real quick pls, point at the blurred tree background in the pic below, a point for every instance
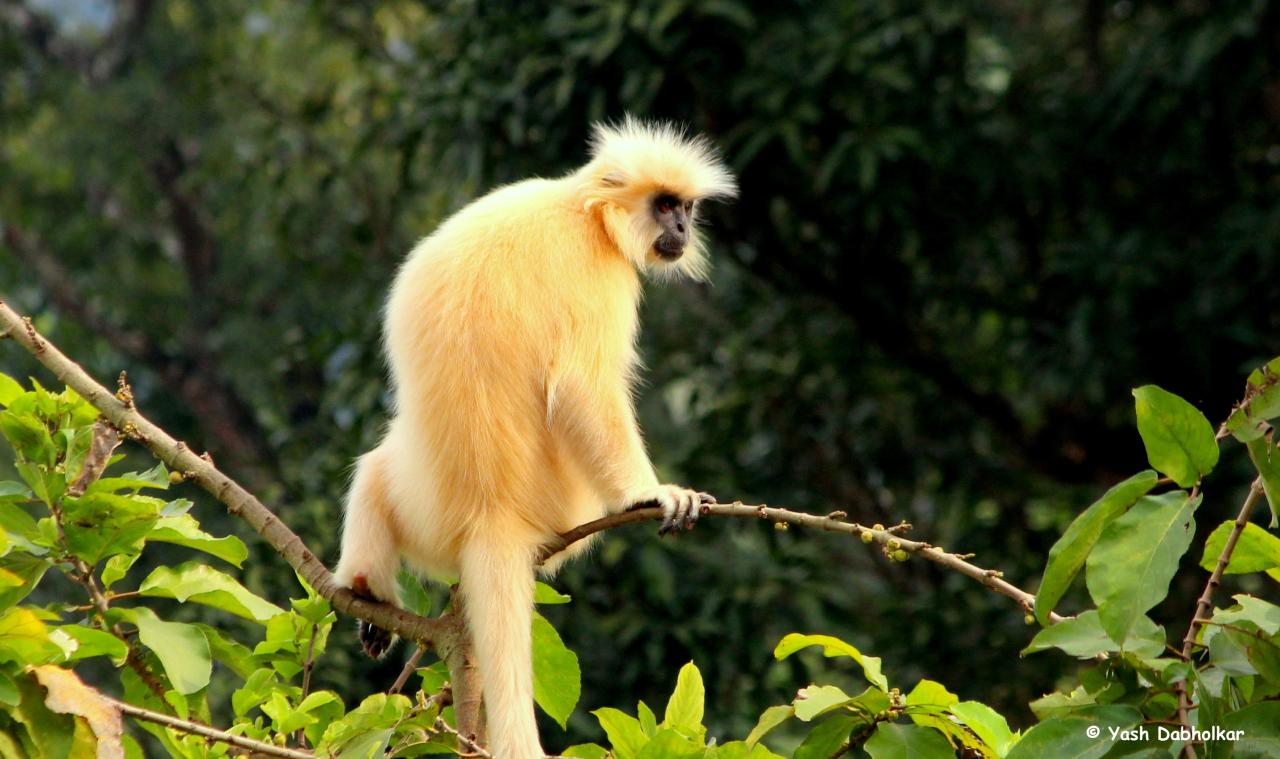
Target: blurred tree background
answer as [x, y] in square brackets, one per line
[966, 230]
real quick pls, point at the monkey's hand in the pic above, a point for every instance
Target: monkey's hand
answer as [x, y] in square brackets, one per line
[375, 641]
[681, 507]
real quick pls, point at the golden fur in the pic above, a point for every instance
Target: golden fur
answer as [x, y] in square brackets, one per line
[511, 337]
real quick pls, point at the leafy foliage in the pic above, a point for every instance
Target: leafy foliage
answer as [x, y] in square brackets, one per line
[91, 530]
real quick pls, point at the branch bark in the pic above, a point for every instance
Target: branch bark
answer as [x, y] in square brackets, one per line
[204, 731]
[888, 538]
[1205, 601]
[238, 501]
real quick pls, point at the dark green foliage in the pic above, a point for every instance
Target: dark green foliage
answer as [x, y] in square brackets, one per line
[965, 232]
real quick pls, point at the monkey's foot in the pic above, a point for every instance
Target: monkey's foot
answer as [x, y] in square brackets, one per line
[375, 641]
[681, 507]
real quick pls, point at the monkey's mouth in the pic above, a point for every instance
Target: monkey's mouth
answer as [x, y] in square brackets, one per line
[669, 247]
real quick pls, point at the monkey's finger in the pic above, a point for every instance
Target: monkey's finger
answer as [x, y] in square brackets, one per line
[689, 508]
[706, 498]
[670, 514]
[695, 510]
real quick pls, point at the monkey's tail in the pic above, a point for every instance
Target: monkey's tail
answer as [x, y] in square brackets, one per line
[497, 587]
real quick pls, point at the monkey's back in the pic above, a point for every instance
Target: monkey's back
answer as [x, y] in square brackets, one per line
[483, 317]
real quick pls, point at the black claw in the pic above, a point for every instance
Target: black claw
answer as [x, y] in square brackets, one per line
[375, 641]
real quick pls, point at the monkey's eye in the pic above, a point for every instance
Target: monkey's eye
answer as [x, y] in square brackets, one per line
[688, 206]
[665, 204]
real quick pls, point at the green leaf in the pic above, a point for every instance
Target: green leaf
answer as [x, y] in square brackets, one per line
[155, 478]
[623, 731]
[1262, 651]
[815, 700]
[671, 744]
[9, 695]
[371, 745]
[930, 693]
[236, 656]
[893, 741]
[14, 492]
[1068, 555]
[684, 708]
[771, 718]
[1260, 725]
[117, 567]
[557, 678]
[181, 648]
[1266, 459]
[92, 642]
[29, 438]
[1061, 704]
[586, 751]
[828, 736]
[1082, 636]
[1262, 402]
[28, 569]
[1249, 609]
[1256, 550]
[648, 722]
[18, 525]
[413, 596]
[26, 640]
[545, 594]
[741, 750]
[184, 530]
[832, 647]
[99, 525]
[9, 389]
[988, 724]
[257, 688]
[1179, 440]
[1129, 570]
[203, 584]
[1066, 737]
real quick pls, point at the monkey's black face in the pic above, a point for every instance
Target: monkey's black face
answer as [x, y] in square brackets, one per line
[674, 218]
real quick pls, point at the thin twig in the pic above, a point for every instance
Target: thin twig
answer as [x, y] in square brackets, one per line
[473, 749]
[210, 733]
[409, 667]
[1206, 600]
[307, 664]
[887, 538]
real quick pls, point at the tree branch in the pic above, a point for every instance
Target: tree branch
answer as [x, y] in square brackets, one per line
[238, 501]
[887, 538]
[204, 731]
[1206, 597]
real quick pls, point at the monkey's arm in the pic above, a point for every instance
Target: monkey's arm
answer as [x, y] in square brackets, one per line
[598, 423]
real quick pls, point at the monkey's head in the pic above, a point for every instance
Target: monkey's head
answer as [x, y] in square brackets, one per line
[645, 183]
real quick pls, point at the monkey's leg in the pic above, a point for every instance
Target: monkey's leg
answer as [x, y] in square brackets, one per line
[370, 555]
[497, 584]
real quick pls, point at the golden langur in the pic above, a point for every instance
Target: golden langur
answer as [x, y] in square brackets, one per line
[511, 336]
